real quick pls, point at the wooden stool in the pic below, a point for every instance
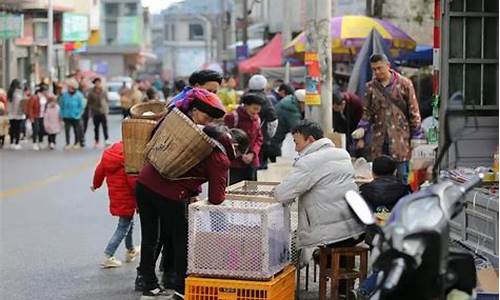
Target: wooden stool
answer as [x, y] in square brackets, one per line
[329, 268]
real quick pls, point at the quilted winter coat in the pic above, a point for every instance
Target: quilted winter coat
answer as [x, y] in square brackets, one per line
[321, 176]
[121, 187]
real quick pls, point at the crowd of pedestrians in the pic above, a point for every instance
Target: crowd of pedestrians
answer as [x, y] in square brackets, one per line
[63, 107]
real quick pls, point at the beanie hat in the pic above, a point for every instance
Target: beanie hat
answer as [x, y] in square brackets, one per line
[257, 82]
[252, 98]
[300, 95]
[204, 101]
[72, 83]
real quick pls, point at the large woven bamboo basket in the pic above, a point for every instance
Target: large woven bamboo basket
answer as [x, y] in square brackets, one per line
[135, 134]
[177, 145]
[158, 108]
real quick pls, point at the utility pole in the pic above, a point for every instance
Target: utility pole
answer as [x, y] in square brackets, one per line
[324, 14]
[318, 40]
[245, 23]
[50, 44]
[286, 34]
[244, 77]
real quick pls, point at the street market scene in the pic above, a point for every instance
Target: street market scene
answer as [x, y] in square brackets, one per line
[249, 150]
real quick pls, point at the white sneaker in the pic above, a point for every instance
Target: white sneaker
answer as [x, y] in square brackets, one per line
[67, 147]
[36, 147]
[52, 146]
[111, 262]
[132, 254]
[77, 146]
[107, 143]
[17, 147]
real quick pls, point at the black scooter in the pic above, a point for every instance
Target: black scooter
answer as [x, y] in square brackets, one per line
[411, 253]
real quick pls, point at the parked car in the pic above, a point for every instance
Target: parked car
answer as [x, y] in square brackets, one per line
[113, 88]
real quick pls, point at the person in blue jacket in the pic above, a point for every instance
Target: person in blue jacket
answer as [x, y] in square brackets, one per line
[72, 106]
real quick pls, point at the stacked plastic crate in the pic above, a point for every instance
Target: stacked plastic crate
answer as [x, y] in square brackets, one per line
[241, 248]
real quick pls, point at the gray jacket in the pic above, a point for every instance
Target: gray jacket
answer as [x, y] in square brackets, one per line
[321, 176]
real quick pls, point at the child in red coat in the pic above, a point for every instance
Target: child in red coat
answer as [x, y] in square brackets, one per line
[122, 203]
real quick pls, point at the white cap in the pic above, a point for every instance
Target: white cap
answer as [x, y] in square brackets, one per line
[301, 95]
[257, 82]
[71, 82]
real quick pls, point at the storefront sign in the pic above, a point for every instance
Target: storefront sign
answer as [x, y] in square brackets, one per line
[75, 27]
[313, 87]
[241, 52]
[11, 26]
[129, 30]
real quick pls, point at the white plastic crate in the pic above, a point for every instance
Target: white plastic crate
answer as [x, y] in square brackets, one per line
[238, 239]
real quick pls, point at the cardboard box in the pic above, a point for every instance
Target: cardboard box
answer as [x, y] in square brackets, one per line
[339, 139]
[487, 280]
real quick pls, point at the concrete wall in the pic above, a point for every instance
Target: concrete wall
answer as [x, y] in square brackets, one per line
[415, 17]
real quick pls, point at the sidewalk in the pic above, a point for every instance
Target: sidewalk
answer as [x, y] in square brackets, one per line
[275, 173]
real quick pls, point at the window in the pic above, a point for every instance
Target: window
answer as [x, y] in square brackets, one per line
[111, 10]
[111, 31]
[130, 9]
[166, 32]
[196, 32]
[40, 31]
[472, 52]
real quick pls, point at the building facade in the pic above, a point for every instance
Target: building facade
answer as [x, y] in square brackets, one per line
[190, 34]
[26, 57]
[123, 41]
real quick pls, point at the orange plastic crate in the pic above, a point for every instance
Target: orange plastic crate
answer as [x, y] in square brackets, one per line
[281, 287]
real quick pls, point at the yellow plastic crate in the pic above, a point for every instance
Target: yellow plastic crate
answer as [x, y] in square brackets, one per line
[281, 287]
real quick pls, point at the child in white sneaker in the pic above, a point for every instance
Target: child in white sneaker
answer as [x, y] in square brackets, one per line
[122, 203]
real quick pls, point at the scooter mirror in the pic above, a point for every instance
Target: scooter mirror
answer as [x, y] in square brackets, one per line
[360, 207]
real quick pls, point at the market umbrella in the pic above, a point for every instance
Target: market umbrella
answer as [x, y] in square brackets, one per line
[349, 33]
[422, 56]
[361, 72]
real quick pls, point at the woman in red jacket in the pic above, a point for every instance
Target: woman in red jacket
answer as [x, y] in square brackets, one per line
[246, 118]
[121, 202]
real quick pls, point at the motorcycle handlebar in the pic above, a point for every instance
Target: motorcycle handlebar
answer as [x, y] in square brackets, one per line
[392, 279]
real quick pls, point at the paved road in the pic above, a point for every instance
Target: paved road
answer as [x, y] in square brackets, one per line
[53, 230]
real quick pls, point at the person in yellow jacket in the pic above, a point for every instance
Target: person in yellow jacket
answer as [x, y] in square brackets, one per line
[227, 94]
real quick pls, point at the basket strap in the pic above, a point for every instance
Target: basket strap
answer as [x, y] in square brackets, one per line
[219, 145]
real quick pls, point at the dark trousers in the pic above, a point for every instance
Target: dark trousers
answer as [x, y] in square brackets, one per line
[77, 130]
[98, 120]
[52, 138]
[2, 140]
[38, 130]
[239, 174]
[85, 120]
[125, 112]
[22, 131]
[15, 130]
[171, 214]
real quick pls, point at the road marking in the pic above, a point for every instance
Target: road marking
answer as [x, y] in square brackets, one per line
[31, 186]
